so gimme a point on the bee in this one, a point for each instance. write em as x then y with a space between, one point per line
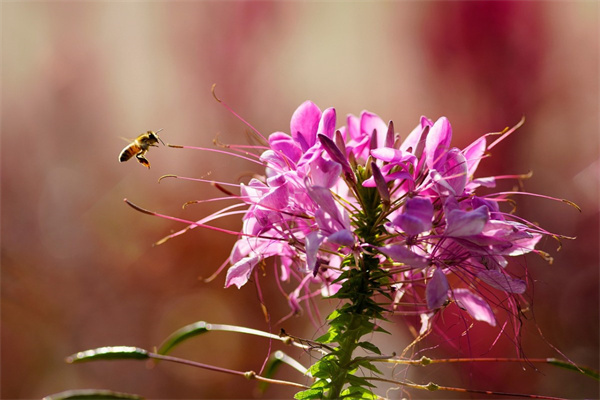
140 146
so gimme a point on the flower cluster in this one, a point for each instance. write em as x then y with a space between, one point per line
330 194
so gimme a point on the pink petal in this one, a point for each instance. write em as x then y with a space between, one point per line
400 253
370 122
282 142
502 281
325 173
474 153
342 237
437 290
304 124
417 216
327 123
466 223
453 172
438 141
313 241
239 273
477 308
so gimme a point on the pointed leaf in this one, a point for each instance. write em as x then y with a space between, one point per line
109 353
182 334
309 394
592 373
85 394
370 347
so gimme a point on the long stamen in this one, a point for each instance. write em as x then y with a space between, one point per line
234 113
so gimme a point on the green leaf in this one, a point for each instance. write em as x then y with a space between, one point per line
334 314
182 334
380 329
109 353
358 393
370 347
322 369
271 367
309 394
329 337
369 365
583 370
358 381
84 394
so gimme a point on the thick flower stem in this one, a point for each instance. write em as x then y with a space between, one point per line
359 288
345 350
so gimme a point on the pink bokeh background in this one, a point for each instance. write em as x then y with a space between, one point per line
78 269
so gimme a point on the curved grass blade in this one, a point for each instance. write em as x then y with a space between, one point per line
583 370
198 328
278 358
88 394
109 353
181 334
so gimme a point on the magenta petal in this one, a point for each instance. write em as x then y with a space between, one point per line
327 123
477 308
275 199
438 141
282 142
313 241
392 155
370 122
353 127
400 253
304 124
466 223
342 237
417 216
324 199
380 184
325 173
474 153
437 290
502 281
239 273
453 172
337 155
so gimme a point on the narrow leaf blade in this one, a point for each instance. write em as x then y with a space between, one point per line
88 394
181 335
109 353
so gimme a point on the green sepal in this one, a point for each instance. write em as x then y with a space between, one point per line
109 353
182 334
592 373
309 394
370 347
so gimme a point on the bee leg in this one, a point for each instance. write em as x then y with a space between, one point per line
142 160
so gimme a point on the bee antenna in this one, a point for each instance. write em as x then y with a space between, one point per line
156 133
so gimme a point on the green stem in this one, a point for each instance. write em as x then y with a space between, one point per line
345 350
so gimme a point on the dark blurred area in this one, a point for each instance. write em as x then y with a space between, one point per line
78 269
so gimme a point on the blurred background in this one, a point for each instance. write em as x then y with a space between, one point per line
78 267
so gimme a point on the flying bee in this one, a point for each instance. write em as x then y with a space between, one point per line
140 146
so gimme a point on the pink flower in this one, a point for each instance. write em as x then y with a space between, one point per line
331 193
